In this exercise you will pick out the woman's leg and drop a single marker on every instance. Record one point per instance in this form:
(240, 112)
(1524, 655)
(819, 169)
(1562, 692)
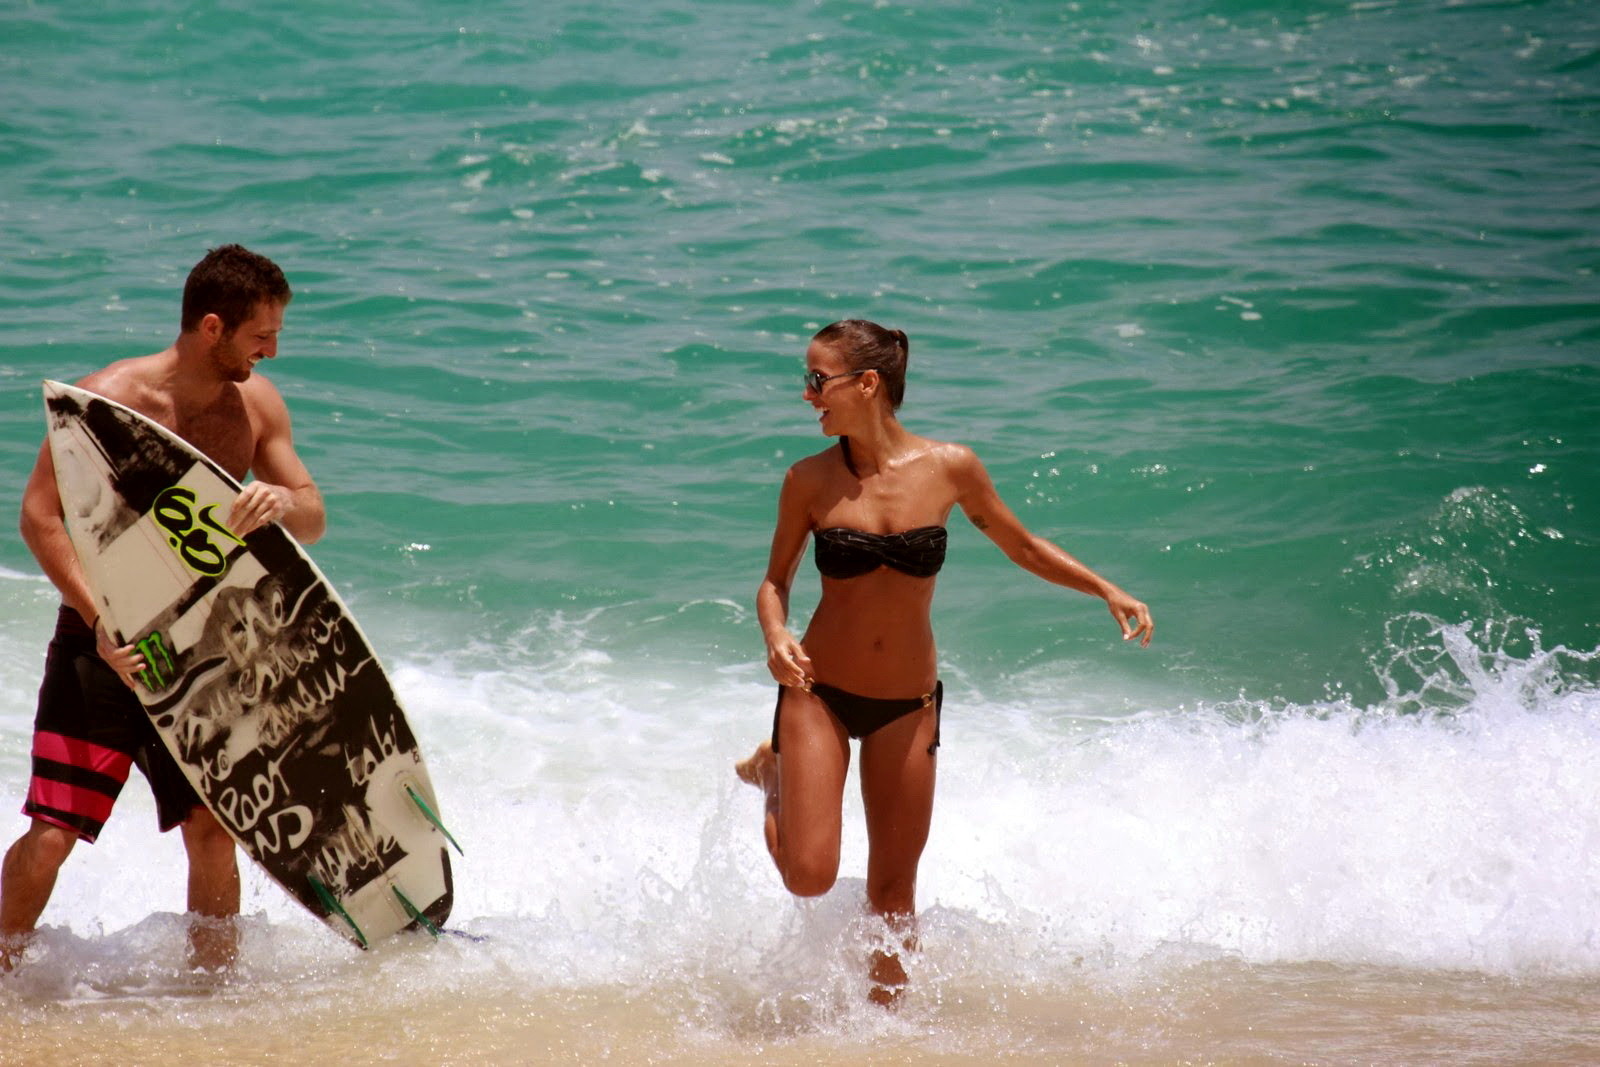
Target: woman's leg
(804, 783)
(897, 777)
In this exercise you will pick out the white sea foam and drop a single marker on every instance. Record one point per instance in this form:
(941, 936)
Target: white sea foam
(607, 841)
(1450, 825)
(9, 575)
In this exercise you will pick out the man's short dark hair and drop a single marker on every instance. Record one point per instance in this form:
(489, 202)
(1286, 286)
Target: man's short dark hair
(229, 282)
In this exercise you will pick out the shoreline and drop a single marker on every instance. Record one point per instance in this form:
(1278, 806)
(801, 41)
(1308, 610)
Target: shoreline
(1215, 1012)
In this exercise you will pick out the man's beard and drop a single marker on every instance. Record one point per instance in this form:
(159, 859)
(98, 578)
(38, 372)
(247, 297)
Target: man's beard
(237, 369)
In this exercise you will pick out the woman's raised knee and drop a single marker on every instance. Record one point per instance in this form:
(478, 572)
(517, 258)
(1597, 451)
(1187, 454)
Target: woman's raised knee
(810, 879)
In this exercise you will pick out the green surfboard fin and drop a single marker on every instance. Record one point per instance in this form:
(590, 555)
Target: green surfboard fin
(429, 814)
(411, 910)
(331, 902)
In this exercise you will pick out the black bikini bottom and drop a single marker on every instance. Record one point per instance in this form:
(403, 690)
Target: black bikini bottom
(861, 715)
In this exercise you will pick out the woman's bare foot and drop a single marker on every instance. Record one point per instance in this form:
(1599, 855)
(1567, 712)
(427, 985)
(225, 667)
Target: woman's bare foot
(888, 980)
(759, 770)
(886, 964)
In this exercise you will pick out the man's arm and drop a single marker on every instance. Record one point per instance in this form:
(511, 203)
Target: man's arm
(44, 531)
(283, 490)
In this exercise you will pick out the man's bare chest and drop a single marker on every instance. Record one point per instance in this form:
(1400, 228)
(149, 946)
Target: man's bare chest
(223, 432)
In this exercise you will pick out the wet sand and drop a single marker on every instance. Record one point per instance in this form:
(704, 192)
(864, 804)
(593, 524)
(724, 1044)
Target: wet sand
(1222, 1012)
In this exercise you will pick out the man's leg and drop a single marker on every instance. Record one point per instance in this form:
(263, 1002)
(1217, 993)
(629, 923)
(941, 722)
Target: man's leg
(213, 891)
(27, 879)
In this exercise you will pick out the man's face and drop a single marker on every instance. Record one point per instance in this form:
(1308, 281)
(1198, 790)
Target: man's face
(237, 352)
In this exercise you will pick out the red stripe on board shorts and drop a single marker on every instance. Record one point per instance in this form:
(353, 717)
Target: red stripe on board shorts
(77, 802)
(75, 752)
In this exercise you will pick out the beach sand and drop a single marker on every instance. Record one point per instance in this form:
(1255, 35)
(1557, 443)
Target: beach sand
(1220, 1012)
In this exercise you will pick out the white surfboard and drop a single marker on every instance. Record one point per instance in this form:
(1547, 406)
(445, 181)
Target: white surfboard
(258, 678)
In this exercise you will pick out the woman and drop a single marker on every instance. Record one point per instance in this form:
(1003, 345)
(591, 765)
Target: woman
(876, 504)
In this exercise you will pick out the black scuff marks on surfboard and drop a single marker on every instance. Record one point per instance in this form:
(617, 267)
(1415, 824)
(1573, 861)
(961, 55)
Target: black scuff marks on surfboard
(142, 467)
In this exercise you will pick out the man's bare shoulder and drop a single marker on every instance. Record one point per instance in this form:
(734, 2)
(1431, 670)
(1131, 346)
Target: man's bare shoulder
(262, 398)
(133, 382)
(264, 403)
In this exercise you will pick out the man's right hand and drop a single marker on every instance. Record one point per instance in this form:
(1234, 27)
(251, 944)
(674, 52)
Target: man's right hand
(127, 661)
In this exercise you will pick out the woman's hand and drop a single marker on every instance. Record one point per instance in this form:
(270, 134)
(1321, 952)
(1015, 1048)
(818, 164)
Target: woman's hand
(788, 661)
(1123, 608)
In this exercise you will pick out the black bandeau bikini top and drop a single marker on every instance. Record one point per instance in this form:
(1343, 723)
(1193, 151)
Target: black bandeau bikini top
(845, 553)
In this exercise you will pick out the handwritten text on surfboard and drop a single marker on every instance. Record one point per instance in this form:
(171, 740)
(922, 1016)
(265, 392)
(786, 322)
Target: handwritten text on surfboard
(187, 531)
(288, 657)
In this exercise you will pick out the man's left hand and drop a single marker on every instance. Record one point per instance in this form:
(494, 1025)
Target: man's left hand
(259, 504)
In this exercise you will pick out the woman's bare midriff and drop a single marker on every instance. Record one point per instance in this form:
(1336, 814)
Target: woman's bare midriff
(872, 635)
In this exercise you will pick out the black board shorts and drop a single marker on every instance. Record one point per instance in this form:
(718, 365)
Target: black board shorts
(88, 731)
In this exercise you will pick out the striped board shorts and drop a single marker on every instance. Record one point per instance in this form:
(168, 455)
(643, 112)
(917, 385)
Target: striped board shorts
(88, 731)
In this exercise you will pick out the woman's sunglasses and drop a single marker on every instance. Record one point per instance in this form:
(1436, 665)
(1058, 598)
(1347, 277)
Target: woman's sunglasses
(815, 379)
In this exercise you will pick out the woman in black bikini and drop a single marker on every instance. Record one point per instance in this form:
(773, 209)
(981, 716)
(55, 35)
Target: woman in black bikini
(876, 505)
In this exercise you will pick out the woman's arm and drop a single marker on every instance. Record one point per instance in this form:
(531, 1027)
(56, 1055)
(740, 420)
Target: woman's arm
(786, 659)
(981, 503)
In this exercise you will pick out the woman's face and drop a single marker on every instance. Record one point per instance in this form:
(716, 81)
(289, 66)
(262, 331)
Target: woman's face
(833, 389)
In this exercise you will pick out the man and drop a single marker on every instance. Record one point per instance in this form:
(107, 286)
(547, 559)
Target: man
(89, 726)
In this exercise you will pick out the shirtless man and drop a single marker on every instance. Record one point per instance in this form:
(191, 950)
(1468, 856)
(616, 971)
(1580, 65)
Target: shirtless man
(89, 726)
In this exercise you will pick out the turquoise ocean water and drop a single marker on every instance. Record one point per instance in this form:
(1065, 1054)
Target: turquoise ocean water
(1283, 316)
